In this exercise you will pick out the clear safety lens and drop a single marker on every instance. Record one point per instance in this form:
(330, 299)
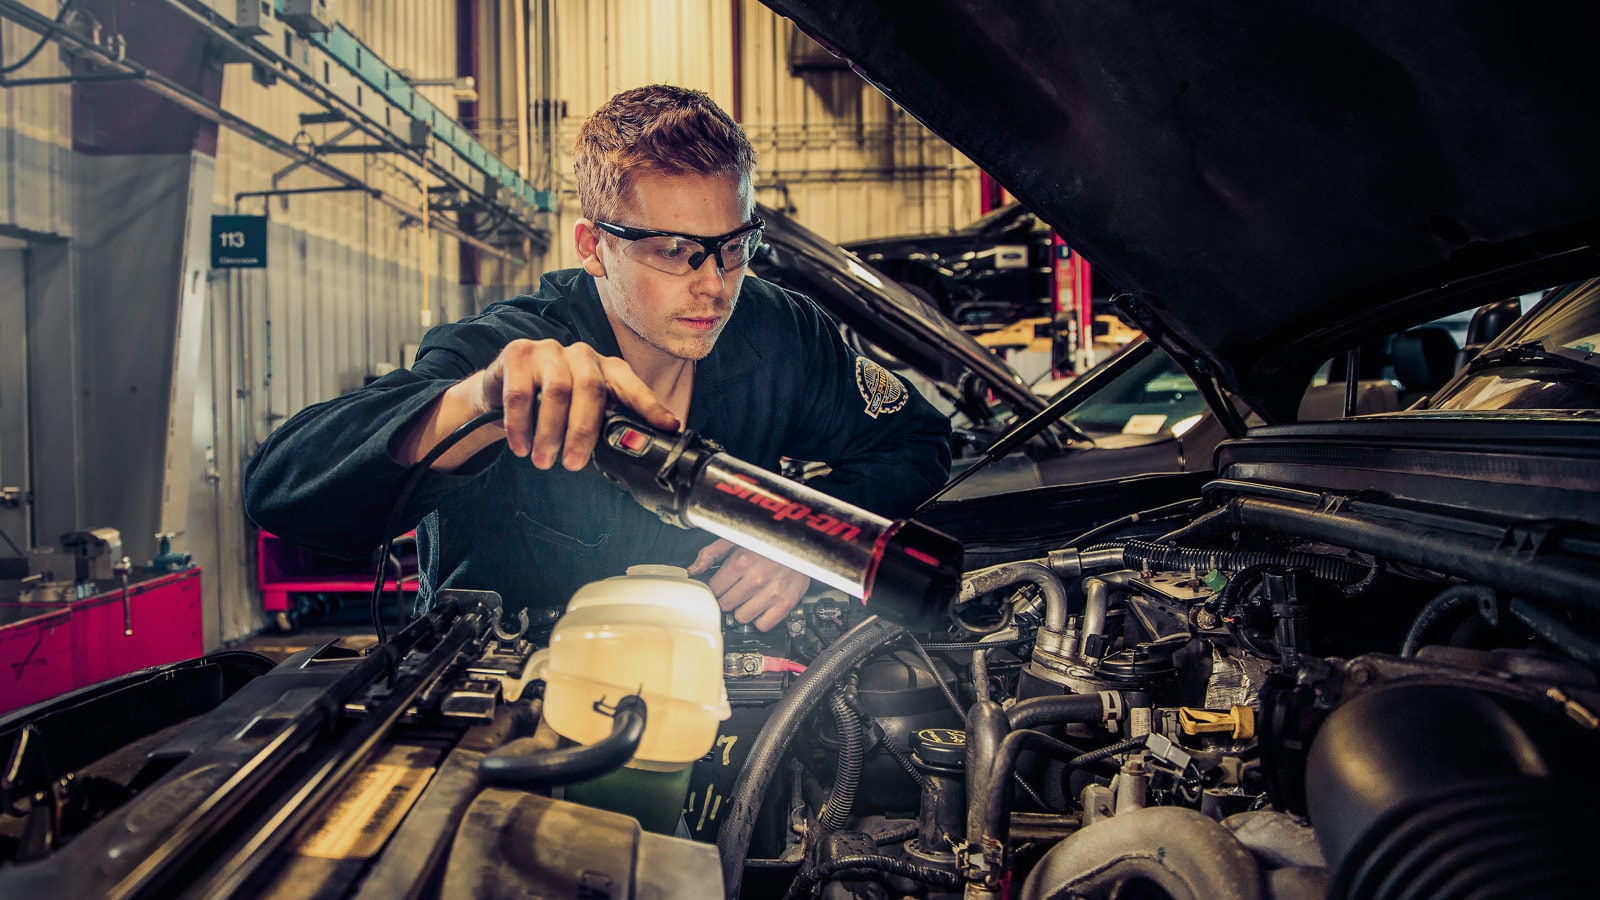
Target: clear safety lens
(680, 256)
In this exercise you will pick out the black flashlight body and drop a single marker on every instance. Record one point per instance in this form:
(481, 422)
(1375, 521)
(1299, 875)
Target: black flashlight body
(902, 569)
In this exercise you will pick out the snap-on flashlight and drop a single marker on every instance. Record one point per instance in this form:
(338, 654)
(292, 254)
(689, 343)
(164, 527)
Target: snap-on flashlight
(902, 569)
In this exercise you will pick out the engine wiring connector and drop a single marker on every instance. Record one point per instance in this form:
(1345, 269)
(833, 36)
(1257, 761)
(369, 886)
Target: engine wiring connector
(736, 665)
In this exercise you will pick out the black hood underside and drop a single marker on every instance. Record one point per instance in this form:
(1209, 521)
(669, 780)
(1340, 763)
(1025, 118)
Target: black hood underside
(1271, 182)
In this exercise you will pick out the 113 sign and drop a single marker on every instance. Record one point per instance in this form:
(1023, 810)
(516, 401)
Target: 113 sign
(238, 242)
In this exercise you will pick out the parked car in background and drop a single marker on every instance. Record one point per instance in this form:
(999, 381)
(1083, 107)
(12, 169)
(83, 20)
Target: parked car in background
(986, 275)
(1135, 414)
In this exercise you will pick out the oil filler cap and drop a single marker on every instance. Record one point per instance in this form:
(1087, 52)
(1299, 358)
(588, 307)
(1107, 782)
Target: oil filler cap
(940, 749)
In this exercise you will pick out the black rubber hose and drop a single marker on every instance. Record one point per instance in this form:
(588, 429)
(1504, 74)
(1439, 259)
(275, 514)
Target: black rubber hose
(986, 728)
(835, 813)
(1558, 633)
(962, 646)
(1081, 708)
(766, 754)
(1144, 553)
(807, 881)
(1358, 589)
(895, 835)
(871, 728)
(1094, 756)
(980, 674)
(393, 527)
(991, 753)
(1181, 507)
(529, 771)
(996, 809)
(933, 672)
(1450, 600)
(1232, 597)
(898, 755)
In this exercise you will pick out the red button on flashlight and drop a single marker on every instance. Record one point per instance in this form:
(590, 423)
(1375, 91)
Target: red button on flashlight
(632, 441)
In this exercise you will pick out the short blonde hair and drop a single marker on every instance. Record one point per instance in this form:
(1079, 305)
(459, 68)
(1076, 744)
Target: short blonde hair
(659, 128)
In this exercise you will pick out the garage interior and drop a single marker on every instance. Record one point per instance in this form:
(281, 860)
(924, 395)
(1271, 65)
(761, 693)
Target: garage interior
(1264, 566)
(141, 371)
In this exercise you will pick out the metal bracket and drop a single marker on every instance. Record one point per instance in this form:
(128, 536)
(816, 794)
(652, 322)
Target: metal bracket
(322, 118)
(1526, 540)
(330, 149)
(1332, 504)
(511, 637)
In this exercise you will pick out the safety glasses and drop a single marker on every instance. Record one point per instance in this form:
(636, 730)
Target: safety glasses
(680, 254)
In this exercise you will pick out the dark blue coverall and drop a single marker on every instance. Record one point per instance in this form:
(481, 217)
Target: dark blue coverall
(779, 382)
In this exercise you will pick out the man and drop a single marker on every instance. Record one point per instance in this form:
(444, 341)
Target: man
(661, 318)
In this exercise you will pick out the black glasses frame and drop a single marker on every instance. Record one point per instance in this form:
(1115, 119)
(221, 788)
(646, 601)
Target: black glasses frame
(711, 247)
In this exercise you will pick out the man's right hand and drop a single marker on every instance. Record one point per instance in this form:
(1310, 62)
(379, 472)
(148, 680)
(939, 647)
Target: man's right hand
(554, 397)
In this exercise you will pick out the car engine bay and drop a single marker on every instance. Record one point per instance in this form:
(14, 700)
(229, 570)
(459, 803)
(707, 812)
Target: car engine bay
(1282, 687)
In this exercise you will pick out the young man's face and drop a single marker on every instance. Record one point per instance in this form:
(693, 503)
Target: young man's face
(676, 315)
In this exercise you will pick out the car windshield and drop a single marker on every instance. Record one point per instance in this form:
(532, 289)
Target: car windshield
(1153, 397)
(1549, 360)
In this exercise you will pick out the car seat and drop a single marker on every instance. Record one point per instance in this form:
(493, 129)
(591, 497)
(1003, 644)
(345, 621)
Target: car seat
(1325, 402)
(1489, 322)
(1423, 359)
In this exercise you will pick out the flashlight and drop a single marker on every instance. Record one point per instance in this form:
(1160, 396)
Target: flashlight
(902, 569)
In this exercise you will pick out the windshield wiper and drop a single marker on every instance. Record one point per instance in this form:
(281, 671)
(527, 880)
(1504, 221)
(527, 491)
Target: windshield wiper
(1532, 354)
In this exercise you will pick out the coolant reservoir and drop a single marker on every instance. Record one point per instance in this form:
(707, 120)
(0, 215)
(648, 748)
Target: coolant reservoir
(655, 632)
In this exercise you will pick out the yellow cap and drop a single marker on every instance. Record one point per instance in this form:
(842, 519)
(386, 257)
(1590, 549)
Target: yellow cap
(1240, 721)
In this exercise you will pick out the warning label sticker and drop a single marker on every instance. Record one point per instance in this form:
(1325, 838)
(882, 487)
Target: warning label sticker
(371, 808)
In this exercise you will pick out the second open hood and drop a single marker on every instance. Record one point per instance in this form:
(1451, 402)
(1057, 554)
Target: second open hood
(1270, 183)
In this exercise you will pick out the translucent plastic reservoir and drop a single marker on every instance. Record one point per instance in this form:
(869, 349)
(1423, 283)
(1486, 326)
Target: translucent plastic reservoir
(654, 632)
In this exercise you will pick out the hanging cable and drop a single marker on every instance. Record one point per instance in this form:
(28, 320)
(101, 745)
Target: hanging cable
(393, 525)
(61, 16)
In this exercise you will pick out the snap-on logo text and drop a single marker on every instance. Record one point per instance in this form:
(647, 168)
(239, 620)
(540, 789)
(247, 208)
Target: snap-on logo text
(783, 509)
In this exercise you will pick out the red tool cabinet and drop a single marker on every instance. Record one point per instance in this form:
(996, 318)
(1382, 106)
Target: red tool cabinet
(47, 649)
(283, 568)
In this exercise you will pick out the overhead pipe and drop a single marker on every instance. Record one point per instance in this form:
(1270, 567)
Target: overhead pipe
(198, 105)
(220, 30)
(519, 56)
(205, 109)
(736, 26)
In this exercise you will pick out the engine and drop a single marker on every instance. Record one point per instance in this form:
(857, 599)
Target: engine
(1231, 706)
(1262, 692)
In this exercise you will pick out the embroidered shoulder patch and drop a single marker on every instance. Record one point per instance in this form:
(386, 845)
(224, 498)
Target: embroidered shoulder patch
(883, 392)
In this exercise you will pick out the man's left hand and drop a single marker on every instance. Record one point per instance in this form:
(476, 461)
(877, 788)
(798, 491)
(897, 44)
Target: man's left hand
(754, 588)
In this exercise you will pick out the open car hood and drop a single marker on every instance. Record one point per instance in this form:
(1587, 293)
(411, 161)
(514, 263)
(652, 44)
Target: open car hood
(1271, 184)
(884, 312)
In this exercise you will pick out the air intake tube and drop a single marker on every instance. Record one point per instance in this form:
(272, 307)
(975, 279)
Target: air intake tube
(1443, 791)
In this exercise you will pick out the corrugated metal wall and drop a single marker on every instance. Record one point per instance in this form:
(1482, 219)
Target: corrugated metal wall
(35, 136)
(344, 296)
(832, 150)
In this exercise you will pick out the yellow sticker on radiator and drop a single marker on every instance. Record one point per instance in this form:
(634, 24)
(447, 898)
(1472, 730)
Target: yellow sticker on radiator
(370, 809)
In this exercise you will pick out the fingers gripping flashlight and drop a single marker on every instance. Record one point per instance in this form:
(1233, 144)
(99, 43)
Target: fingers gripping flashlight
(902, 569)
